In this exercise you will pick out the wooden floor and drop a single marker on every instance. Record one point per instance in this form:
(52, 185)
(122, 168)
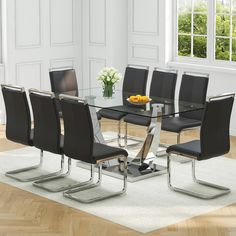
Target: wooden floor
(26, 214)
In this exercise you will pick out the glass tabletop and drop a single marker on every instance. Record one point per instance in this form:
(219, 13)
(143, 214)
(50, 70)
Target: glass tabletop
(118, 103)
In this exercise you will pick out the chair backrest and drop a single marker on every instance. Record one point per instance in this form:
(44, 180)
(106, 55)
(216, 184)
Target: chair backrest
(214, 135)
(135, 82)
(163, 84)
(193, 89)
(78, 129)
(18, 120)
(64, 81)
(47, 129)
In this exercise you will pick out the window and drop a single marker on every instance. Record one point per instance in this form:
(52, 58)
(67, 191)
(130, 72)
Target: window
(192, 28)
(206, 29)
(225, 35)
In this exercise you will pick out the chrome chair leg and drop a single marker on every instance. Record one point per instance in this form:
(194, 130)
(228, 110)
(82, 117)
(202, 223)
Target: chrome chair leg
(223, 190)
(42, 183)
(119, 138)
(126, 135)
(13, 174)
(126, 138)
(73, 193)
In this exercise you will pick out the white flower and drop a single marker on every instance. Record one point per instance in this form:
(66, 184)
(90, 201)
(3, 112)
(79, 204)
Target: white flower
(109, 75)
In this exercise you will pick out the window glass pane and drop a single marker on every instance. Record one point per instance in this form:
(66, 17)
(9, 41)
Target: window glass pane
(234, 50)
(222, 6)
(184, 45)
(184, 5)
(234, 26)
(234, 6)
(200, 24)
(184, 23)
(223, 25)
(200, 5)
(200, 46)
(222, 49)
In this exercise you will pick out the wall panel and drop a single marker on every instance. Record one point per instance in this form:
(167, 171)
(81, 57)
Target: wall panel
(62, 22)
(28, 23)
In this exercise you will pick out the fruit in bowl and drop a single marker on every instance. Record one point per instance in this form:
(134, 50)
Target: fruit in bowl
(138, 99)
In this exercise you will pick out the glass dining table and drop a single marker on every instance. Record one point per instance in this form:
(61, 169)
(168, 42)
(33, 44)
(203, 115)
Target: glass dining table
(141, 165)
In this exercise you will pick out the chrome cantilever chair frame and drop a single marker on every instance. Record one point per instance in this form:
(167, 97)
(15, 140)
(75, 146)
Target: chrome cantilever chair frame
(13, 173)
(90, 184)
(72, 193)
(223, 190)
(60, 174)
(58, 188)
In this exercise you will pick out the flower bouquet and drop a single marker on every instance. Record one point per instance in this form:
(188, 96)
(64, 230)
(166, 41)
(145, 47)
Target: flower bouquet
(108, 76)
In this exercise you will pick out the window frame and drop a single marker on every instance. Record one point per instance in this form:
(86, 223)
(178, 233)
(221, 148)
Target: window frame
(211, 39)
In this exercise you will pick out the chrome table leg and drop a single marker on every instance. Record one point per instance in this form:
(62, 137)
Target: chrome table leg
(142, 166)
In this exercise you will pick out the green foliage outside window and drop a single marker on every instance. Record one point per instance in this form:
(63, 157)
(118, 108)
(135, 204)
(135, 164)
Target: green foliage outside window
(198, 36)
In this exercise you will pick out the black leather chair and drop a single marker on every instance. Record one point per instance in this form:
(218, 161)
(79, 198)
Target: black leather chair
(135, 81)
(79, 145)
(64, 82)
(193, 89)
(18, 124)
(48, 137)
(214, 141)
(163, 86)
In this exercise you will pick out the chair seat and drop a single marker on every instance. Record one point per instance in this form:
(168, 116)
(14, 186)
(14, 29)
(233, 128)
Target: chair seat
(137, 120)
(177, 124)
(102, 151)
(192, 148)
(99, 116)
(113, 115)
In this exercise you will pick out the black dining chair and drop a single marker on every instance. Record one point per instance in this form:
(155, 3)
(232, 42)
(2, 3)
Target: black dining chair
(18, 125)
(135, 81)
(79, 145)
(193, 89)
(48, 137)
(214, 141)
(162, 86)
(64, 81)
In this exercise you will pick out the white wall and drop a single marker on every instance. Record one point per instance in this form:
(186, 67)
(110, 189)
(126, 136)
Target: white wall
(39, 35)
(104, 37)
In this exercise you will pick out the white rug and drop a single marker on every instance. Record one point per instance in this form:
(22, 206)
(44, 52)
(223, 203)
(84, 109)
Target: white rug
(148, 204)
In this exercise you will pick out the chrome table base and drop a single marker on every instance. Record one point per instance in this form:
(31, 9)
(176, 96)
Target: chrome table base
(134, 173)
(149, 148)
